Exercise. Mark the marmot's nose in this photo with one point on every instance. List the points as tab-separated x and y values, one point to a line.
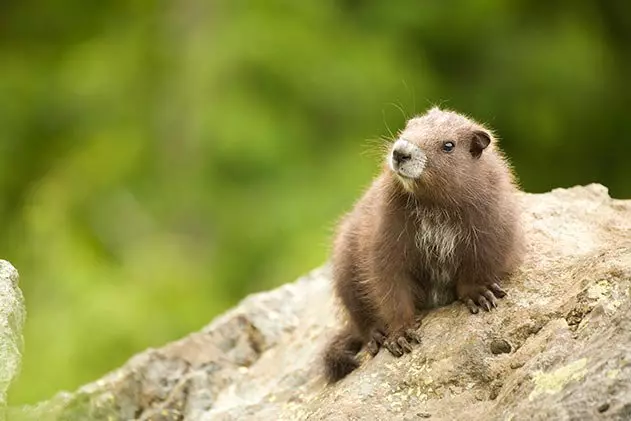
400	156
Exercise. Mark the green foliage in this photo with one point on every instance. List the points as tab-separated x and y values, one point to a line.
160	160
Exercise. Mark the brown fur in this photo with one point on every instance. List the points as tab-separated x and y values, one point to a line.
410	245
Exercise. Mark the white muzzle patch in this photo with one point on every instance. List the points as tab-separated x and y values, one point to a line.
406	159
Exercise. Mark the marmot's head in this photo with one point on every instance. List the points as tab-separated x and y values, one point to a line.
440	150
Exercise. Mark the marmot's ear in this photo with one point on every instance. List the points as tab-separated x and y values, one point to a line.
479	141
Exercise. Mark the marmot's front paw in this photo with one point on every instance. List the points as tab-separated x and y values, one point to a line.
398	341
377	339
481	295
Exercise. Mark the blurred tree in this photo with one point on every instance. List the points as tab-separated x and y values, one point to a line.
160	160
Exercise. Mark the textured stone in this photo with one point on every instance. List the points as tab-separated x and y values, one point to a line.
567	318
500	346
12	315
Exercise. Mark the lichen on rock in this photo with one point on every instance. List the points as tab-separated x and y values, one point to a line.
558	347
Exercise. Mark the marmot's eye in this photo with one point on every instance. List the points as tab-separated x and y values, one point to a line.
448	146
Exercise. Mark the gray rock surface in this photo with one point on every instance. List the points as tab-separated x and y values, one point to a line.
12	315
557	348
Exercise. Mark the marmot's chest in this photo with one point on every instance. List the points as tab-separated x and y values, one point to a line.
438	242
438	238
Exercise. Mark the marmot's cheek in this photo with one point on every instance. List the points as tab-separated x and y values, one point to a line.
418	166
415	171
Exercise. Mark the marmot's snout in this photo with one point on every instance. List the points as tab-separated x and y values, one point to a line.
406	159
399	157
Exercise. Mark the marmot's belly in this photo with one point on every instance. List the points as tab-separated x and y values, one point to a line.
439	296
439	289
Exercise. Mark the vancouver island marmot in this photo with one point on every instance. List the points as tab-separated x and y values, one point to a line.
439	223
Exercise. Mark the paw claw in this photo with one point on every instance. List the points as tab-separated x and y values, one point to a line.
376	341
372	347
394	348
403	343
490	297
497	290
413	335
482	302
471	306
484	297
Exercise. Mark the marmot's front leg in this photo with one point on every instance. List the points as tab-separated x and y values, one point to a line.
397	328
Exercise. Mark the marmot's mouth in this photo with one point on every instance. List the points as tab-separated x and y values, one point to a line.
411	170
408	183
405	177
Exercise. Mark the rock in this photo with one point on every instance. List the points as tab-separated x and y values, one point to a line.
567	318
500	346
12	315
604	407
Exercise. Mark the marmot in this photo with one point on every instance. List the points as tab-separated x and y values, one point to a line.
440	223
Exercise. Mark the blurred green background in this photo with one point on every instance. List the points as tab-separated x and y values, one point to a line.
161	160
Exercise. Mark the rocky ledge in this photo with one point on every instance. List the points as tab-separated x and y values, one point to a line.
558	347
12	314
